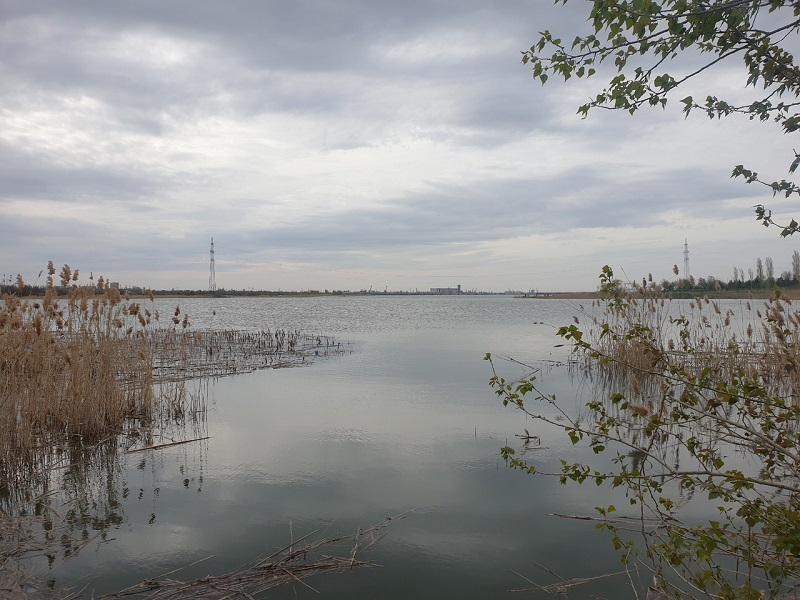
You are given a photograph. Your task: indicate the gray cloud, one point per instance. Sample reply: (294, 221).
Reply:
(136, 131)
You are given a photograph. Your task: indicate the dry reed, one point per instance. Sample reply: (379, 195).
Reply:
(646, 332)
(292, 564)
(83, 362)
(83, 365)
(69, 367)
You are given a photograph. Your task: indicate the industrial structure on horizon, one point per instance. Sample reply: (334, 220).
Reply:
(686, 273)
(212, 276)
(447, 291)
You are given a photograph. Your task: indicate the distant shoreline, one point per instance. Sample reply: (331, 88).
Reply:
(761, 294)
(791, 294)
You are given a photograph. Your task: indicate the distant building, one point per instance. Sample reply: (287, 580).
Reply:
(447, 291)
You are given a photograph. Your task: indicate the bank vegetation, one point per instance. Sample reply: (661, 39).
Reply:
(695, 419)
(89, 376)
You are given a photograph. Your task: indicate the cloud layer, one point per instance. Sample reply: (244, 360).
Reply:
(350, 145)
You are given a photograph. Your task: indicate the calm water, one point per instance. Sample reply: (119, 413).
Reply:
(404, 422)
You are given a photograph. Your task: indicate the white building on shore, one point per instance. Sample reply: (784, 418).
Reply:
(448, 291)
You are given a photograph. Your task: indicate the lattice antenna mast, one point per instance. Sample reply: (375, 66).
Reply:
(212, 277)
(686, 273)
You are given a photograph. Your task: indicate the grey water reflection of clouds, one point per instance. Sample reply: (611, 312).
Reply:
(405, 423)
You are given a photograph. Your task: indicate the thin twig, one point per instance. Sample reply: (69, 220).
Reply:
(157, 446)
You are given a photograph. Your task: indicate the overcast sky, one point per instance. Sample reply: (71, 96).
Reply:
(354, 144)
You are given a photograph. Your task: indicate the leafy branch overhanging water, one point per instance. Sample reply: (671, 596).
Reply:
(696, 405)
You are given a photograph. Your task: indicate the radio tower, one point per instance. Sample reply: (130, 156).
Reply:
(686, 274)
(212, 278)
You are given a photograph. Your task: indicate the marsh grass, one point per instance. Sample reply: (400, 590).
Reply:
(71, 367)
(640, 331)
(651, 350)
(89, 376)
(84, 364)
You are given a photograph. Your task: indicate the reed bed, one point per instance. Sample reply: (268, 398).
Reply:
(88, 376)
(216, 353)
(68, 370)
(652, 350)
(642, 330)
(83, 363)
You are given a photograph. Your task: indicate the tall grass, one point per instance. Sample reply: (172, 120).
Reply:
(73, 364)
(640, 329)
(83, 363)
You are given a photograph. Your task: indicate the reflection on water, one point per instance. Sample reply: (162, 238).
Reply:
(405, 422)
(77, 497)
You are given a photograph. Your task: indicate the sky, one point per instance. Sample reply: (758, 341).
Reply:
(356, 144)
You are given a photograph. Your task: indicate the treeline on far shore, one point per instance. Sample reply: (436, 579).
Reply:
(682, 288)
(762, 277)
(140, 292)
(692, 287)
(135, 291)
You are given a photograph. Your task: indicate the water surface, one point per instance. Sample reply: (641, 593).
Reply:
(404, 422)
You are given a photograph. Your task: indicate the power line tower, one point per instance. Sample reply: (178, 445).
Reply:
(686, 273)
(212, 277)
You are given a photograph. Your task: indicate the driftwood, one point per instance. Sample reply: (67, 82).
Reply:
(651, 521)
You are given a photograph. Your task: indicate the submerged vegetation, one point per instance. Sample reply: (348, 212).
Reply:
(82, 365)
(696, 413)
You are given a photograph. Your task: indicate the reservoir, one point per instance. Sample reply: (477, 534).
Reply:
(401, 424)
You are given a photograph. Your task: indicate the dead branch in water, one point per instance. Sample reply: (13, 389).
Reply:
(293, 563)
(562, 587)
(167, 445)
